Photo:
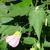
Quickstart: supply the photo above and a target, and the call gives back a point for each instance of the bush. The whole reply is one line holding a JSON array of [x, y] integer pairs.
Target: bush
[[31, 18]]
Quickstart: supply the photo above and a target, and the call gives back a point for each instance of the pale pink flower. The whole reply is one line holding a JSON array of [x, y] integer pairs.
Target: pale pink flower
[[13, 40]]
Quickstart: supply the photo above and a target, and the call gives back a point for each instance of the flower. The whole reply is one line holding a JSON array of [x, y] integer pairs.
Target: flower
[[13, 40]]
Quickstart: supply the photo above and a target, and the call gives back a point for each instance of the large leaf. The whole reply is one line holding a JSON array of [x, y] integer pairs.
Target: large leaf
[[26, 2], [20, 9], [3, 28], [48, 2], [29, 40], [36, 19], [9, 29]]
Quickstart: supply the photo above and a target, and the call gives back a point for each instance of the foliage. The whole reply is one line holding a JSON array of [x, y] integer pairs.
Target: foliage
[[36, 12]]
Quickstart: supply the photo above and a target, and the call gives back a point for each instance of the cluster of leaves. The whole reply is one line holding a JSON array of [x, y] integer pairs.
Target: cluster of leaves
[[38, 15]]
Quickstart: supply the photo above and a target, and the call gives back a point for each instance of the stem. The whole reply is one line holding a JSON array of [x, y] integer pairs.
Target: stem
[[36, 3], [47, 4], [46, 21]]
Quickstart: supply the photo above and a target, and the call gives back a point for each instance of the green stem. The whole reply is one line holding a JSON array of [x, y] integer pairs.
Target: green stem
[[47, 4], [36, 3]]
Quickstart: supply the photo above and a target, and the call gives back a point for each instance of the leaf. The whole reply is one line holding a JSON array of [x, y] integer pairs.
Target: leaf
[[46, 44], [9, 29], [20, 9], [5, 19], [3, 28], [3, 10], [8, 0], [36, 19], [3, 45], [32, 49], [48, 2], [41, 49], [29, 40], [26, 2], [26, 29]]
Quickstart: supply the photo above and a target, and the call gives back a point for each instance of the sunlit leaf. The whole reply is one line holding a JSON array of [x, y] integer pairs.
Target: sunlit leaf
[[9, 29], [36, 19], [20, 9], [29, 40], [5, 19]]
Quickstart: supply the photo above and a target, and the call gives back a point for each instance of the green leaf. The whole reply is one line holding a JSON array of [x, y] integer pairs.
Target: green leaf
[[26, 2], [3, 10], [36, 19], [46, 44], [3, 28], [3, 45], [9, 29], [29, 40], [41, 49], [5, 19], [48, 0], [20, 9]]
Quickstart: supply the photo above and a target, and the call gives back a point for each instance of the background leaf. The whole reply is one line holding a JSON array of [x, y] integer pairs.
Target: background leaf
[[20, 9], [3, 10], [29, 40], [9, 29], [36, 19], [46, 44], [5, 19], [3, 45]]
